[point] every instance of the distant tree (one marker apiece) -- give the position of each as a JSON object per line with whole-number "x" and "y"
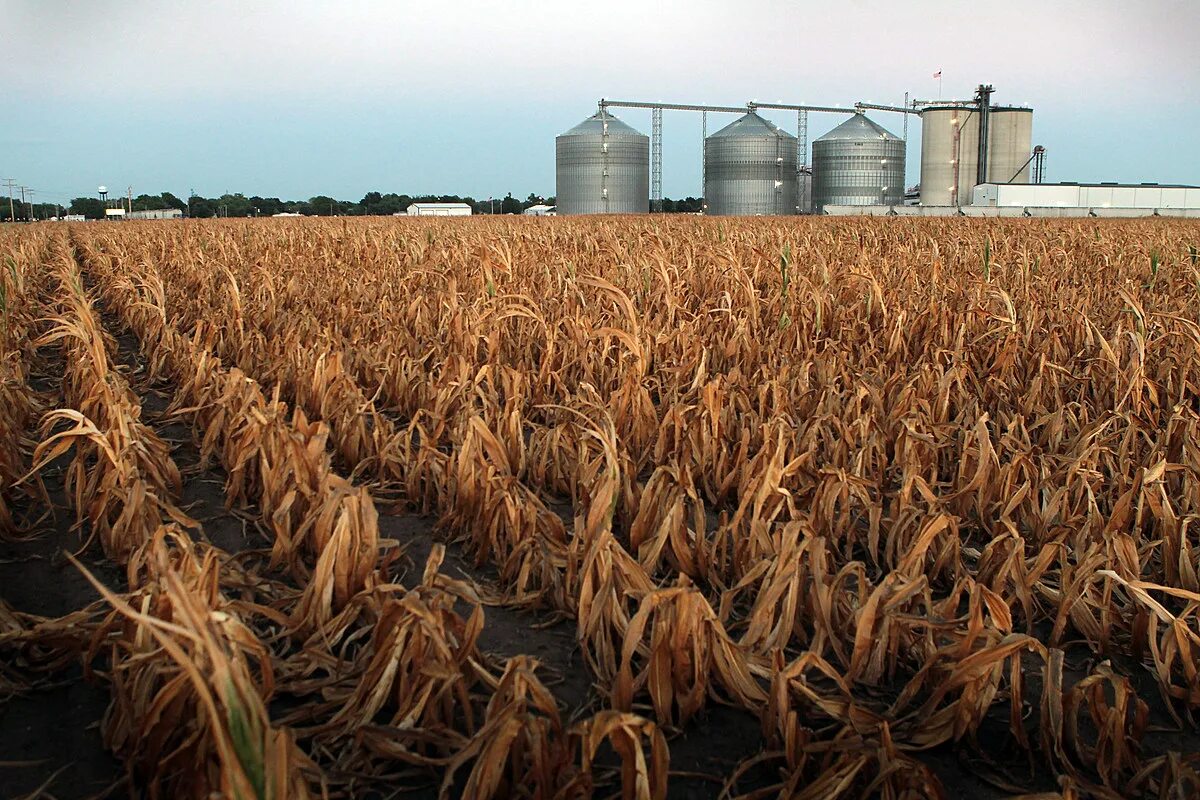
{"x": 236, "y": 204}
{"x": 322, "y": 205}
{"x": 201, "y": 206}
{"x": 147, "y": 202}
{"x": 510, "y": 205}
{"x": 171, "y": 201}
{"x": 90, "y": 207}
{"x": 372, "y": 203}
{"x": 688, "y": 205}
{"x": 267, "y": 206}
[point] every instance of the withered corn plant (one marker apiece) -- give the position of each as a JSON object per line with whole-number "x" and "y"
{"x": 864, "y": 496}
{"x": 324, "y": 529}
{"x": 122, "y": 478}
{"x": 23, "y": 262}
{"x": 190, "y": 683}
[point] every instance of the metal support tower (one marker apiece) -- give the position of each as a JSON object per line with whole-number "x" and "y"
{"x": 656, "y": 159}
{"x": 1039, "y": 164}
{"x": 801, "y": 140}
{"x": 983, "y": 99}
{"x": 703, "y": 164}
{"x": 905, "y": 121}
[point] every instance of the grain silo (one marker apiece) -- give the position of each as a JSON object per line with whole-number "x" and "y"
{"x": 750, "y": 169}
{"x": 602, "y": 166}
{"x": 949, "y": 154}
{"x": 1010, "y": 143}
{"x": 950, "y": 150}
{"x": 858, "y": 163}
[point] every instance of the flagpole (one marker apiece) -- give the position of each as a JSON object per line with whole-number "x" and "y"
{"x": 939, "y": 84}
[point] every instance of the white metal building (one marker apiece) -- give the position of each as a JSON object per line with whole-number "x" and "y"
{"x": 540, "y": 210}
{"x": 158, "y": 213}
{"x": 439, "y": 210}
{"x": 1086, "y": 195}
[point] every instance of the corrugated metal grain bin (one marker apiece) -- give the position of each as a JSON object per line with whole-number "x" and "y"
{"x": 858, "y": 163}
{"x": 750, "y": 169}
{"x": 602, "y": 166}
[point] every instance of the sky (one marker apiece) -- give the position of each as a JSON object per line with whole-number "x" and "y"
{"x": 294, "y": 99}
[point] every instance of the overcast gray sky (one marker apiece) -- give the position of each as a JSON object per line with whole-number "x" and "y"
{"x": 298, "y": 98}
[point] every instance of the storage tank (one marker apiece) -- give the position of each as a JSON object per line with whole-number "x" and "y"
{"x": 602, "y": 166}
{"x": 750, "y": 169}
{"x": 949, "y": 154}
{"x": 1010, "y": 143}
{"x": 950, "y": 150}
{"x": 858, "y": 163}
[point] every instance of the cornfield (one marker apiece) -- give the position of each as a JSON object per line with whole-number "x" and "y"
{"x": 891, "y": 490}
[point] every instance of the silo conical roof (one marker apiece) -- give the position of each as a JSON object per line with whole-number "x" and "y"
{"x": 857, "y": 128}
{"x": 595, "y": 125}
{"x": 751, "y": 124}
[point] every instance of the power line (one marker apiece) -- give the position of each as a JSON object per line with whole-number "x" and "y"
{"x": 12, "y": 215}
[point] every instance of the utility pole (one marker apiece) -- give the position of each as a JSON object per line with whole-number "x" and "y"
{"x": 31, "y": 193}
{"x": 10, "y": 183}
{"x": 22, "y": 188}
{"x": 130, "y": 210}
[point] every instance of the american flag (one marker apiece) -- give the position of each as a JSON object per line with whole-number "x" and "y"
{"x": 937, "y": 74}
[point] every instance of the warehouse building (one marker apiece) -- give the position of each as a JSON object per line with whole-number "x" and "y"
{"x": 1087, "y": 195}
{"x": 439, "y": 210}
{"x": 158, "y": 213}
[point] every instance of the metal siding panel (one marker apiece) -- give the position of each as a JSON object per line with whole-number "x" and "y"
{"x": 1146, "y": 197}
{"x": 1098, "y": 197}
{"x": 1123, "y": 197}
{"x": 1173, "y": 198}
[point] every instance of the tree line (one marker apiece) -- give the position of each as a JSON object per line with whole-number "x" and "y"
{"x": 239, "y": 205}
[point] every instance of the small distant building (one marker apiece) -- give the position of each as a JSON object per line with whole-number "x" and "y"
{"x": 540, "y": 210}
{"x": 74, "y": 218}
{"x": 288, "y": 214}
{"x": 158, "y": 213}
{"x": 439, "y": 210}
